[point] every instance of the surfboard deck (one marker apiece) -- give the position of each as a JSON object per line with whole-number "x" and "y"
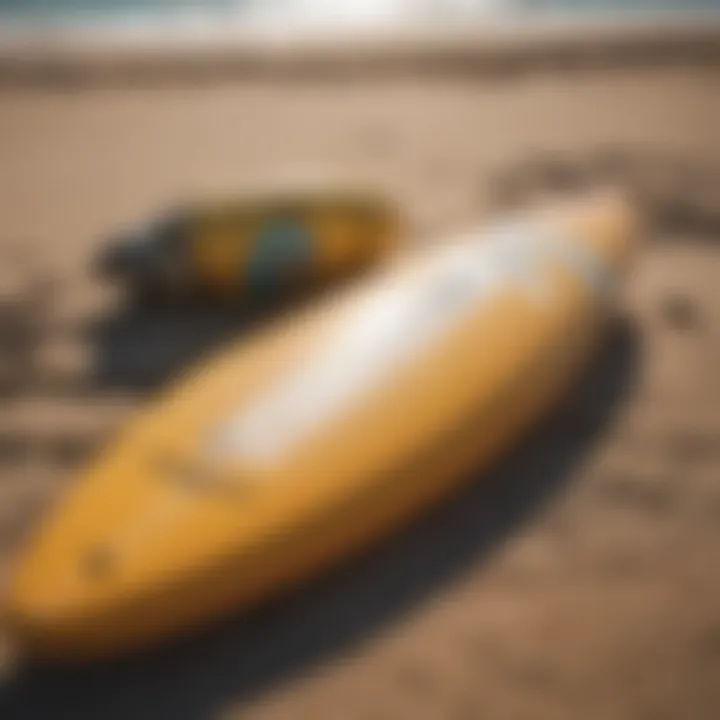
{"x": 294, "y": 447}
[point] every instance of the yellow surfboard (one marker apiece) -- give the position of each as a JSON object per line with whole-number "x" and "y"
{"x": 303, "y": 442}
{"x": 259, "y": 247}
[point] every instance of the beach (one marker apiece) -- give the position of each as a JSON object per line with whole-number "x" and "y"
{"x": 576, "y": 579}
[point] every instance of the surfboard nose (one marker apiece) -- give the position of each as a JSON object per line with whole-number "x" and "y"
{"x": 50, "y": 606}
{"x": 87, "y": 589}
{"x": 37, "y": 619}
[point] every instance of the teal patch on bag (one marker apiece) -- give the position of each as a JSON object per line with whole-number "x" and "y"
{"x": 280, "y": 256}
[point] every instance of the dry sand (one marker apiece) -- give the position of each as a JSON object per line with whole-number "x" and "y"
{"x": 581, "y": 579}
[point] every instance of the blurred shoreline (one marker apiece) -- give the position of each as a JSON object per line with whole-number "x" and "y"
{"x": 151, "y": 52}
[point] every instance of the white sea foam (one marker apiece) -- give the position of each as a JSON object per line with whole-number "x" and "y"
{"x": 189, "y": 20}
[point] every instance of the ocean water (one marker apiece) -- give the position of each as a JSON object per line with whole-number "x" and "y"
{"x": 70, "y": 13}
